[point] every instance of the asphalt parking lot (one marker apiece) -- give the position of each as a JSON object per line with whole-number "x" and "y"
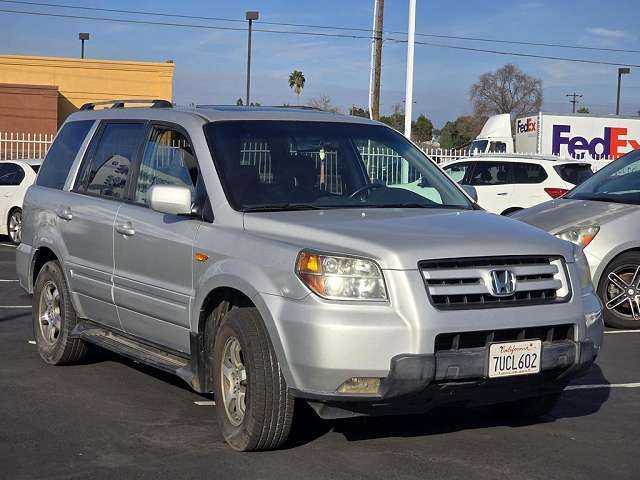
{"x": 112, "y": 418}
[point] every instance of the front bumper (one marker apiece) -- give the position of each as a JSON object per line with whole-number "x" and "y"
{"x": 417, "y": 383}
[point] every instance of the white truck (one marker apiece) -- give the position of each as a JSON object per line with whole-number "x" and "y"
{"x": 580, "y": 136}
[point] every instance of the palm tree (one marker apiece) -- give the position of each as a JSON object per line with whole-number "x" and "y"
{"x": 296, "y": 81}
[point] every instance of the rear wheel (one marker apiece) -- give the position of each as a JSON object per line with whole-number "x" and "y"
{"x": 54, "y": 318}
{"x": 253, "y": 404}
{"x": 619, "y": 290}
{"x": 14, "y": 226}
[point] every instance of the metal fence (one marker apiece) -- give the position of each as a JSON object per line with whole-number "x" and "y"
{"x": 18, "y": 146}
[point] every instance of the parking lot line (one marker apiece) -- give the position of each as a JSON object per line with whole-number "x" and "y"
{"x": 622, "y": 331}
{"x": 15, "y": 306}
{"x": 7, "y": 280}
{"x": 603, "y": 385}
{"x": 7, "y": 245}
{"x": 205, "y": 403}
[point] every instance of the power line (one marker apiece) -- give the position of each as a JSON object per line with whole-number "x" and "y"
{"x": 327, "y": 27}
{"x": 316, "y": 34}
{"x": 574, "y": 99}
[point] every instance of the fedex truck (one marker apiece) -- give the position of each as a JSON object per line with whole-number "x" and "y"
{"x": 585, "y": 137}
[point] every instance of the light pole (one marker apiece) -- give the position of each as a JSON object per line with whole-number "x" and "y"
{"x": 621, "y": 71}
{"x": 83, "y": 37}
{"x": 250, "y": 16}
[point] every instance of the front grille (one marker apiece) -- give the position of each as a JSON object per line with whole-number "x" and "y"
{"x": 482, "y": 338}
{"x": 465, "y": 283}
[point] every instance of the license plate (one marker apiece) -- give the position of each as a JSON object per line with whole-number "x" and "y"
{"x": 514, "y": 358}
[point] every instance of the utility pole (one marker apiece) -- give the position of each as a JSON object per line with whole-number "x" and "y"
{"x": 250, "y": 16}
{"x": 621, "y": 71}
{"x": 376, "y": 63}
{"x": 574, "y": 99}
{"x": 82, "y": 37}
{"x": 408, "y": 99}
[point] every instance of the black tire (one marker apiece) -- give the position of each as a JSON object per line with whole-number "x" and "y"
{"x": 625, "y": 266}
{"x": 530, "y": 408}
{"x": 268, "y": 415}
{"x": 58, "y": 349}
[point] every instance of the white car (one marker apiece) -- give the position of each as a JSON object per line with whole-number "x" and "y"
{"x": 15, "y": 177}
{"x": 507, "y": 183}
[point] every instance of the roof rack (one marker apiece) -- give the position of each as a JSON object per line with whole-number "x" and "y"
{"x": 155, "y": 103}
{"x": 297, "y": 107}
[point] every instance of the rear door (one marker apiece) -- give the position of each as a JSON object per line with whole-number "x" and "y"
{"x": 492, "y": 181}
{"x": 87, "y": 215}
{"x": 529, "y": 183}
{"x": 153, "y": 281}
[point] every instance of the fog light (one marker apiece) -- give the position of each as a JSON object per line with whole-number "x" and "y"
{"x": 360, "y": 385}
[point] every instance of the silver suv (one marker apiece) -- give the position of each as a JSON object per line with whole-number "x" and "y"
{"x": 276, "y": 256}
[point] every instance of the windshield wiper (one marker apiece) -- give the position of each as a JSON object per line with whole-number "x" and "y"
{"x": 276, "y": 207}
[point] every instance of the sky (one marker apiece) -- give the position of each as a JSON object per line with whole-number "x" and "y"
{"x": 211, "y": 64}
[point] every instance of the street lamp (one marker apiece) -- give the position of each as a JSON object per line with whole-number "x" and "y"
{"x": 621, "y": 71}
{"x": 250, "y": 16}
{"x": 83, "y": 37}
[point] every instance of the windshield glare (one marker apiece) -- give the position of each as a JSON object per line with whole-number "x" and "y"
{"x": 279, "y": 165}
{"x": 617, "y": 182}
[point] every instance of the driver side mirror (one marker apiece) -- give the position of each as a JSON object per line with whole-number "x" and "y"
{"x": 171, "y": 199}
{"x": 471, "y": 191}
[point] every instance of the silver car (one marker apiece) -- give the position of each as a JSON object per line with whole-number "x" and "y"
{"x": 276, "y": 256}
{"x": 602, "y": 216}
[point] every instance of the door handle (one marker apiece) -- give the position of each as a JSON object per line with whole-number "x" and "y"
{"x": 502, "y": 194}
{"x": 125, "y": 229}
{"x": 65, "y": 214}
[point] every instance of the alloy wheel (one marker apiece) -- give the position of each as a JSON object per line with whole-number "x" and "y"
{"x": 234, "y": 381}
{"x": 50, "y": 313}
{"x": 15, "y": 226}
{"x": 623, "y": 291}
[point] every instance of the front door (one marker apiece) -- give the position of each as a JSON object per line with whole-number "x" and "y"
{"x": 492, "y": 181}
{"x": 153, "y": 280}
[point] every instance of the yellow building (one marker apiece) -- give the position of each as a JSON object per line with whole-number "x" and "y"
{"x": 87, "y": 80}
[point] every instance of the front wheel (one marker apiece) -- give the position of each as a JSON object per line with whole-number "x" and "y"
{"x": 619, "y": 290}
{"x": 14, "y": 226}
{"x": 253, "y": 404}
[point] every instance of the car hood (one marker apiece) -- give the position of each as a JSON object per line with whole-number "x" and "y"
{"x": 399, "y": 238}
{"x": 557, "y": 215}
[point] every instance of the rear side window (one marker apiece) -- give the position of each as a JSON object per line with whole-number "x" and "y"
{"x": 106, "y": 168}
{"x": 490, "y": 173}
{"x": 458, "y": 171}
{"x": 56, "y": 166}
{"x": 528, "y": 173}
{"x": 10, "y": 174}
{"x": 575, "y": 174}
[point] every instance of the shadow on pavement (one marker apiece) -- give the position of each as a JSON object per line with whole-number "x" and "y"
{"x": 452, "y": 418}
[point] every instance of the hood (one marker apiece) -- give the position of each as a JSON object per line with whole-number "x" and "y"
{"x": 399, "y": 238}
{"x": 558, "y": 215}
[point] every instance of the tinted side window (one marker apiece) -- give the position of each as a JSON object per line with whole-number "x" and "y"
{"x": 575, "y": 174}
{"x": 458, "y": 171}
{"x": 528, "y": 173}
{"x": 10, "y": 174}
{"x": 60, "y": 157}
{"x": 490, "y": 173}
{"x": 168, "y": 160}
{"x": 107, "y": 166}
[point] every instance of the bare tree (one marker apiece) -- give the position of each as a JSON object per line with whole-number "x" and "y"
{"x": 507, "y": 90}
{"x": 323, "y": 102}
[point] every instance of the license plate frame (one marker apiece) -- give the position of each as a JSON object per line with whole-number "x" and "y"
{"x": 511, "y": 359}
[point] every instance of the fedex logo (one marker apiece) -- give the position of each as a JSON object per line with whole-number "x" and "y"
{"x": 528, "y": 126}
{"x": 609, "y": 145}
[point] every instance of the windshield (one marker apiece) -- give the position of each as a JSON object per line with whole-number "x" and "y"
{"x": 281, "y": 165}
{"x": 479, "y": 146}
{"x": 617, "y": 182}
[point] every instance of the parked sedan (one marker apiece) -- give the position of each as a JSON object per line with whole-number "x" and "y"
{"x": 507, "y": 183}
{"x": 602, "y": 215}
{"x": 15, "y": 177}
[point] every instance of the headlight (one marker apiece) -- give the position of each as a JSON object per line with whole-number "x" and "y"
{"x": 579, "y": 235}
{"x": 341, "y": 278}
{"x": 583, "y": 267}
